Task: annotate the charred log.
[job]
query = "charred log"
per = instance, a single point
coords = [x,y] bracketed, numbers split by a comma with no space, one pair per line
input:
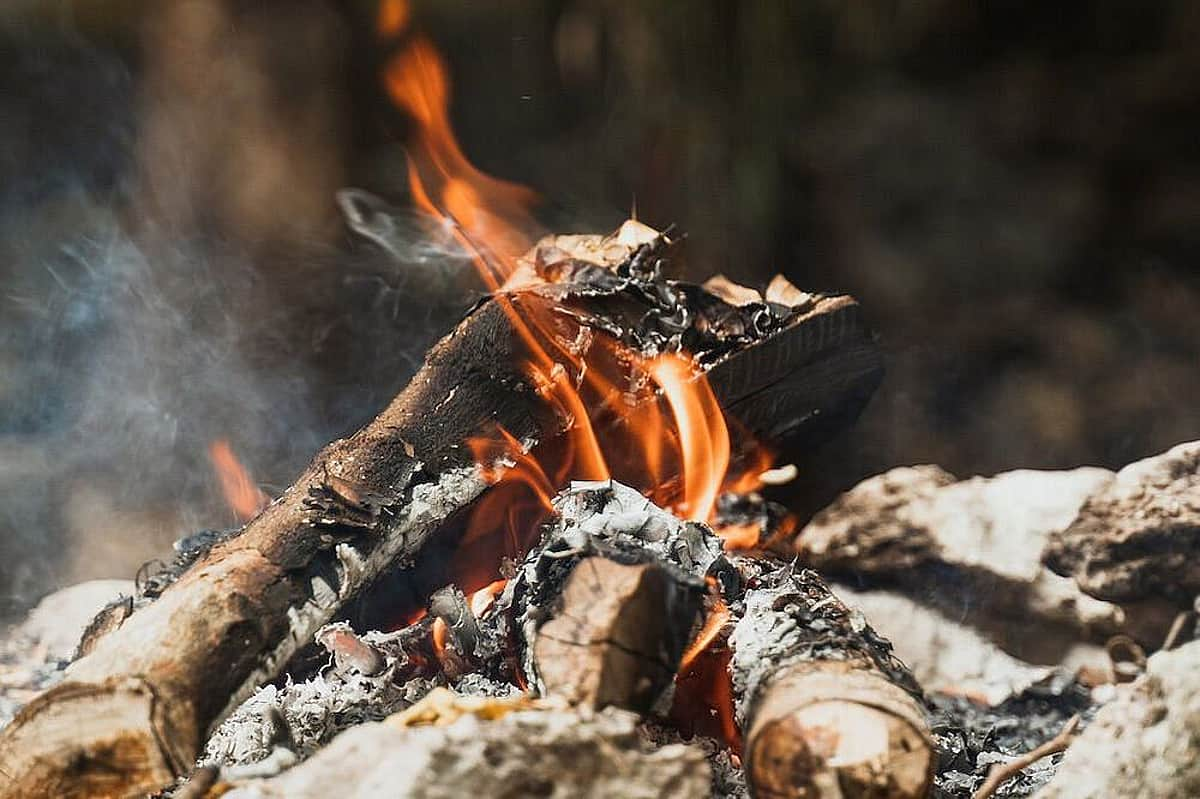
[606,603]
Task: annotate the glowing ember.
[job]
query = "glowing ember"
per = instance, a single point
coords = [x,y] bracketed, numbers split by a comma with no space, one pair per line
[242,495]
[482,599]
[440,632]
[713,626]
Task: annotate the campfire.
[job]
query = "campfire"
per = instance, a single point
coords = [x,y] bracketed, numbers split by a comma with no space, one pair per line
[550,566]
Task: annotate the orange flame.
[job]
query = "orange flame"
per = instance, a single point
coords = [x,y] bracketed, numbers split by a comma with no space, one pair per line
[440,632]
[663,429]
[393,17]
[482,599]
[703,680]
[718,617]
[703,435]
[242,495]
[487,216]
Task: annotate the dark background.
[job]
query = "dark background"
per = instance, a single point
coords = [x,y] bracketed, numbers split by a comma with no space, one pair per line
[1011,189]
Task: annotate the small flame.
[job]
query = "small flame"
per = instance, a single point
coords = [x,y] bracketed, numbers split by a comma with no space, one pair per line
[393,17]
[703,436]
[243,496]
[487,216]
[718,617]
[749,478]
[482,599]
[439,633]
[703,703]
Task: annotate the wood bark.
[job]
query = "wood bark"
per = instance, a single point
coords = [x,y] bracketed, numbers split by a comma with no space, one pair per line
[825,709]
[135,711]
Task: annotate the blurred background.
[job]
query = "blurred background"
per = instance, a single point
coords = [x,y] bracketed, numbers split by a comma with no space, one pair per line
[1012,190]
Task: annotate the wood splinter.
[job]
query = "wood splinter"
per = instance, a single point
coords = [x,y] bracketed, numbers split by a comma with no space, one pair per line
[827,711]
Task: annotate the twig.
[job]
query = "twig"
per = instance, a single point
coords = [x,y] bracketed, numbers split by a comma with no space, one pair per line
[1176,628]
[1003,771]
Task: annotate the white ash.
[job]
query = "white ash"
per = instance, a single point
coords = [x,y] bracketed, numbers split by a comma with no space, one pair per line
[611,512]
[552,753]
[1145,743]
[304,716]
[34,654]
[973,548]
[475,684]
[970,737]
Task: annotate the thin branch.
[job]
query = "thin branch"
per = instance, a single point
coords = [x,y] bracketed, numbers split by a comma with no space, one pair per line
[1004,771]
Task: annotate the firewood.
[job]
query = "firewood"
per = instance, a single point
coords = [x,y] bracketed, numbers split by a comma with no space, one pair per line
[477,746]
[134,712]
[984,537]
[608,644]
[825,709]
[606,602]
[1137,538]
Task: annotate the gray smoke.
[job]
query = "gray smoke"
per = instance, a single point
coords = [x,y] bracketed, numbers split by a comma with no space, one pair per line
[130,340]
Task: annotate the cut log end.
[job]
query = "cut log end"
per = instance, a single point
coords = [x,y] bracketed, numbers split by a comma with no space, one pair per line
[89,741]
[842,747]
[607,644]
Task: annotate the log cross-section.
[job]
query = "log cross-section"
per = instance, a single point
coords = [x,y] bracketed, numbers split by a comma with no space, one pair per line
[608,642]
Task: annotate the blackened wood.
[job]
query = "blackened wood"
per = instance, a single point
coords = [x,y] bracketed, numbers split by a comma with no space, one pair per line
[151,690]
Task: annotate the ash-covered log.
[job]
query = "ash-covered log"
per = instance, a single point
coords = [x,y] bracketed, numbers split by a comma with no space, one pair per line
[825,709]
[136,710]
[607,601]
[610,642]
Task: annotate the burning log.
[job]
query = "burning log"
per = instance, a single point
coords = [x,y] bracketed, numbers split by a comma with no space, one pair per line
[135,711]
[607,602]
[825,709]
